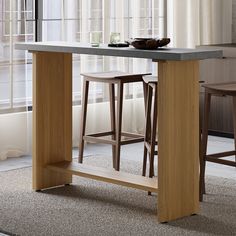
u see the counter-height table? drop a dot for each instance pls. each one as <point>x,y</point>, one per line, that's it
<point>177,184</point>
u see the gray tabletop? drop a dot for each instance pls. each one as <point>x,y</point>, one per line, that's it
<point>165,53</point>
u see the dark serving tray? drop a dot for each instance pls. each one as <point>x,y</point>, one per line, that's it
<point>149,43</point>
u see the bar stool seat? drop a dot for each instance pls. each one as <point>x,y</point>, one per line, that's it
<point>219,89</point>
<point>113,78</point>
<point>150,79</point>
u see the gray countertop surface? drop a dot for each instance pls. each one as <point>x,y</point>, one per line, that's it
<point>165,53</point>
<point>231,45</point>
<point>229,49</point>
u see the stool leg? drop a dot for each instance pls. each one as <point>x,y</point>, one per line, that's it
<point>113,120</point>
<point>147,128</point>
<point>144,160</point>
<point>83,119</point>
<point>146,101</point>
<point>145,91</point>
<point>234,122</point>
<point>119,122</point>
<point>200,135</point>
<point>153,134</point>
<point>207,103</point>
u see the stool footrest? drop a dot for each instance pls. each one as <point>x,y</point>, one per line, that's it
<point>220,161</point>
<point>129,141</point>
<point>96,138</point>
<point>101,134</point>
<point>99,140</point>
<point>131,135</point>
<point>222,154</point>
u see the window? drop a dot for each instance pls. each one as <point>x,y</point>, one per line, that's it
<point>16,25</point>
<point>17,11</point>
<point>70,20</point>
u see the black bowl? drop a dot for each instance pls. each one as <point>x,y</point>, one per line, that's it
<point>149,43</point>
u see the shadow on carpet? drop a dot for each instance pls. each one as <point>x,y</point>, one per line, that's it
<point>88,207</point>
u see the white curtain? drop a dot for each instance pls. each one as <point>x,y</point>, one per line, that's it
<point>15,79</point>
<point>115,17</point>
<point>73,20</point>
<point>189,23</point>
<point>197,22</point>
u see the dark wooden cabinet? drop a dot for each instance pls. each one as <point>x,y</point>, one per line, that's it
<point>216,71</point>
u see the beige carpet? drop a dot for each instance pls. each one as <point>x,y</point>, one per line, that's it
<point>94,208</point>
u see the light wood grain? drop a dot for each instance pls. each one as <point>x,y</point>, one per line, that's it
<point>177,125</point>
<point>178,139</point>
<point>52,116</point>
<point>106,175</point>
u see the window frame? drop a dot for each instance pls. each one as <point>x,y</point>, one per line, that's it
<point>38,26</point>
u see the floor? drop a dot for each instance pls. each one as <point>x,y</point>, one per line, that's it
<point>135,152</point>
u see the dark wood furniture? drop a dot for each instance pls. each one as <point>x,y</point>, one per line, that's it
<point>221,90</point>
<point>219,70</point>
<point>150,124</point>
<point>150,141</point>
<point>112,78</point>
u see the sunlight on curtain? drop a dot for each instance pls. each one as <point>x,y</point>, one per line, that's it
<point>190,23</point>
<point>215,21</point>
<point>16,25</point>
<point>195,22</point>
<point>133,18</point>
<point>70,20</point>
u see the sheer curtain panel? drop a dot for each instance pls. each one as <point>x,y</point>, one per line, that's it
<point>69,20</point>
<point>196,22</point>
<point>187,22</point>
<point>17,23</point>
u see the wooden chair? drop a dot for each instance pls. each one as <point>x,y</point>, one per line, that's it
<point>112,78</point>
<point>219,89</point>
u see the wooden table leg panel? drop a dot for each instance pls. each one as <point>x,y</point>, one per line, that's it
<point>178,139</point>
<point>52,116</point>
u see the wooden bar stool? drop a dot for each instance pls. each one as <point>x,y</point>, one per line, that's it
<point>112,78</point>
<point>150,124</point>
<point>150,142</point>
<point>220,89</point>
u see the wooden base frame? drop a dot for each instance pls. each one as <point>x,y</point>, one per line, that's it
<point>52,117</point>
<point>178,136</point>
<point>178,139</point>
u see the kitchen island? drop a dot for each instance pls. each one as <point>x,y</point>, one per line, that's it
<point>177,184</point>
